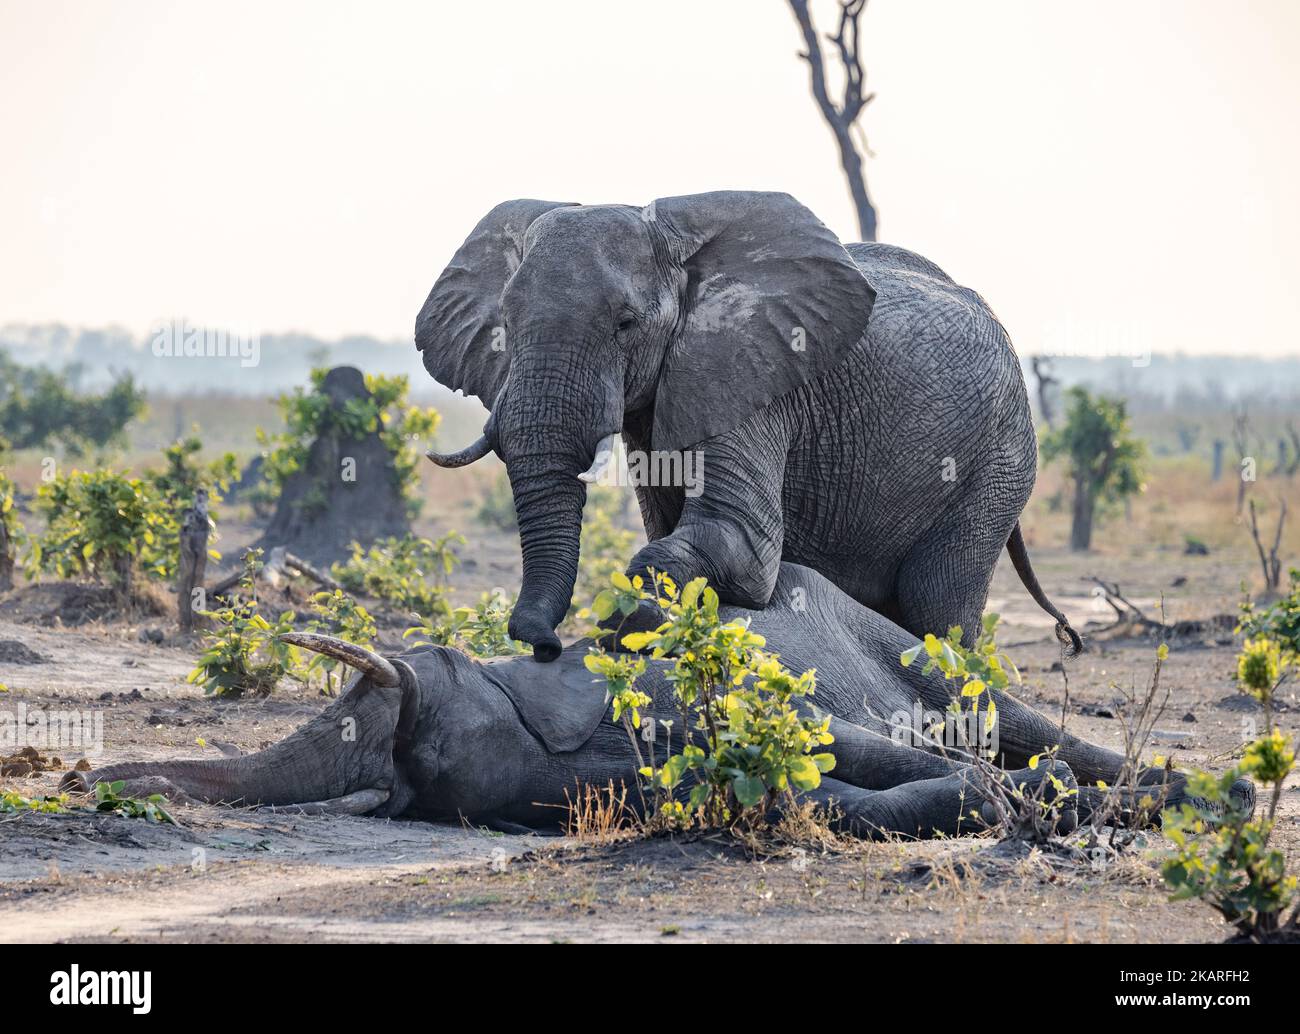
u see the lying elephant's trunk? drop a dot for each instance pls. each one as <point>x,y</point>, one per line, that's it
<point>345,753</point>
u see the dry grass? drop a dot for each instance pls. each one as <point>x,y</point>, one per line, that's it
<point>600,814</point>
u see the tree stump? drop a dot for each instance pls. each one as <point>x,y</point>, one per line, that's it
<point>346,490</point>
<point>193,560</point>
<point>6,560</point>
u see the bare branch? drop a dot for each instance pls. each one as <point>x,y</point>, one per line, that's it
<point>842,119</point>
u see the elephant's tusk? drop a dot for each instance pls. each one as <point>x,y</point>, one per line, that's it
<point>604,454</point>
<point>381,672</point>
<point>463,458</point>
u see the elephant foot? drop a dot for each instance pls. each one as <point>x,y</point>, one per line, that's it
<point>1241,795</point>
<point>646,618</point>
<point>1158,790</point>
<point>1038,793</point>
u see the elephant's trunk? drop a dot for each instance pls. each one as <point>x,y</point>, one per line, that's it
<point>550,426</point>
<point>549,504</point>
<point>347,748</point>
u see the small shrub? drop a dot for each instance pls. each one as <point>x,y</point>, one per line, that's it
<point>12,802</point>
<point>12,534</point>
<point>243,653</point>
<point>604,550</point>
<point>970,732</point>
<point>743,744</point>
<point>105,526</point>
<point>498,506</point>
<point>176,486</point>
<point>480,631</point>
<point>340,615</point>
<point>108,798</point>
<point>1222,855</point>
<point>183,474</point>
<point>409,573</point>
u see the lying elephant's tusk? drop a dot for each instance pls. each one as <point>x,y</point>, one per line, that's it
<point>604,455</point>
<point>381,672</point>
<point>359,803</point>
<point>465,457</point>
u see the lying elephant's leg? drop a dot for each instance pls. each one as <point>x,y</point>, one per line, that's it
<point>873,761</point>
<point>337,761</point>
<point>948,805</point>
<point>1024,731</point>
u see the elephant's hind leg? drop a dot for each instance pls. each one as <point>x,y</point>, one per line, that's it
<point>882,787</point>
<point>944,580</point>
<point>872,761</point>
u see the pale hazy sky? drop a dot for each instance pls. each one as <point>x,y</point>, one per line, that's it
<point>1121,171</point>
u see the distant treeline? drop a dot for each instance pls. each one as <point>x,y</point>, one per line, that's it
<point>96,358</point>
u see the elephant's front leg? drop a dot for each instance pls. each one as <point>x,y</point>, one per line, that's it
<point>730,530</point>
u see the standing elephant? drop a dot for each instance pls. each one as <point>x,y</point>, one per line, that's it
<point>854,410</point>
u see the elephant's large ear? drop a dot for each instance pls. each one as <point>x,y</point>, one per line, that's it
<point>772,301</point>
<point>458,329</point>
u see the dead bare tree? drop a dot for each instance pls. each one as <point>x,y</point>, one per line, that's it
<point>1042,367</point>
<point>1294,434</point>
<point>1270,562</point>
<point>842,118</point>
<point>1245,462</point>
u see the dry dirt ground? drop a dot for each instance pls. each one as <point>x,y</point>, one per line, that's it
<point>236,875</point>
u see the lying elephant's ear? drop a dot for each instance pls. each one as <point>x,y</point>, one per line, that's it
<point>459,328</point>
<point>772,301</point>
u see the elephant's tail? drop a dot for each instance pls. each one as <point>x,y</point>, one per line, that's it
<point>1020,560</point>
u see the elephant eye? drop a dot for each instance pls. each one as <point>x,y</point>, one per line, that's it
<point>625,324</point>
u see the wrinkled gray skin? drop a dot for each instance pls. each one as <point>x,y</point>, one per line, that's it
<point>499,742</point>
<point>858,412</point>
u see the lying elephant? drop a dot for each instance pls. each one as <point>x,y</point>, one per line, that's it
<point>434,734</point>
<point>785,398</point>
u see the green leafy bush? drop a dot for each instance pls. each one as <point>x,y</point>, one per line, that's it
<point>12,533</point>
<point>1222,855</point>
<point>12,802</point>
<point>498,506</point>
<point>39,407</point>
<point>480,631</point>
<point>152,808</point>
<point>244,653</point>
<point>177,485</point>
<point>105,526</point>
<point>604,549</point>
<point>743,744</point>
<point>339,615</point>
<point>407,572</point>
<point>969,733</point>
<point>311,414</point>
<point>1278,624</point>
<point>183,474</point>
